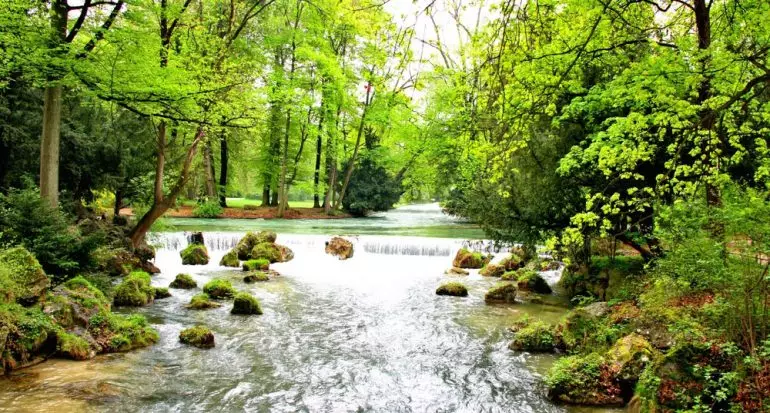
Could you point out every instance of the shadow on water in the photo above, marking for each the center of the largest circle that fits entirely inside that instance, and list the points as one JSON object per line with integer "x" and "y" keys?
{"x": 366, "y": 334}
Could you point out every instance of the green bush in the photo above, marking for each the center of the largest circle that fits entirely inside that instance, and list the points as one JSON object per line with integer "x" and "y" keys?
{"x": 371, "y": 188}
{"x": 208, "y": 209}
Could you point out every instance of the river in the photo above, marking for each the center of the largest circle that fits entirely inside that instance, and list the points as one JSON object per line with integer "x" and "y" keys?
{"x": 366, "y": 334}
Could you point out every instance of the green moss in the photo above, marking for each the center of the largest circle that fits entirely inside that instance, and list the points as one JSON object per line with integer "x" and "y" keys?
{"x": 161, "y": 293}
{"x": 73, "y": 346}
{"x": 202, "y": 301}
{"x": 510, "y": 276}
{"x": 537, "y": 337}
{"x": 198, "y": 336}
{"x": 452, "y": 288}
{"x": 195, "y": 254}
{"x": 22, "y": 277}
{"x": 467, "y": 259}
{"x": 30, "y": 332}
{"x": 245, "y": 246}
{"x": 256, "y": 276}
{"x": 135, "y": 290}
{"x": 260, "y": 264}
{"x": 183, "y": 281}
{"x": 501, "y": 293}
{"x": 219, "y": 289}
{"x": 245, "y": 303}
{"x": 267, "y": 251}
{"x": 532, "y": 281}
{"x": 578, "y": 380}
{"x": 117, "y": 333}
{"x": 581, "y": 331}
{"x": 230, "y": 259}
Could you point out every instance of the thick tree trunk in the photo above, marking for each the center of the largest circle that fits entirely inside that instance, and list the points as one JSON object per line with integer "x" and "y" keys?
{"x": 118, "y": 202}
{"x": 49, "y": 145}
{"x": 265, "y": 195}
{"x": 332, "y": 178}
{"x": 223, "y": 159}
{"x": 274, "y": 198}
{"x": 283, "y": 199}
{"x": 208, "y": 166}
{"x": 351, "y": 165}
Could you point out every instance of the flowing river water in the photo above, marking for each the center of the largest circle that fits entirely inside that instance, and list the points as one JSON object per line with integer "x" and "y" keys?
{"x": 366, "y": 334}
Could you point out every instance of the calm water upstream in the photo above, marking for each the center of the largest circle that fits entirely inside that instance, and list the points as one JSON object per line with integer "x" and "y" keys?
{"x": 366, "y": 334}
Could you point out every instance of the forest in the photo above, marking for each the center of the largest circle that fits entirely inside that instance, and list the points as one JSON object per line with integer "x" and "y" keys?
{"x": 627, "y": 140}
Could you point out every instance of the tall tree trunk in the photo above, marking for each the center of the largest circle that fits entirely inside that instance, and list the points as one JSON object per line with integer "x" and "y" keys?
{"x": 352, "y": 161}
{"x": 708, "y": 117}
{"x": 118, "y": 202}
{"x": 318, "y": 149}
{"x": 208, "y": 166}
{"x": 332, "y": 178}
{"x": 49, "y": 145}
{"x": 283, "y": 199}
{"x": 223, "y": 159}
{"x": 265, "y": 195}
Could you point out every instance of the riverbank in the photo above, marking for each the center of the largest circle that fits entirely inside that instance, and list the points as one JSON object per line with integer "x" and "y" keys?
{"x": 186, "y": 211}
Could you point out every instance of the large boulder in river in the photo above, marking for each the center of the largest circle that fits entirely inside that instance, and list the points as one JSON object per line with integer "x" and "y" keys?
{"x": 245, "y": 246}
{"x": 339, "y": 247}
{"x": 535, "y": 337}
{"x": 230, "y": 260}
{"x": 245, "y": 303}
{"x": 501, "y": 293}
{"x": 452, "y": 288}
{"x": 492, "y": 270}
{"x": 183, "y": 281}
{"x": 195, "y": 254}
{"x": 21, "y": 277}
{"x": 135, "y": 290}
{"x": 469, "y": 259}
{"x": 198, "y": 336}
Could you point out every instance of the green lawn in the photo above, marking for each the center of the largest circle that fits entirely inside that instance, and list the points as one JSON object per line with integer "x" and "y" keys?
{"x": 240, "y": 202}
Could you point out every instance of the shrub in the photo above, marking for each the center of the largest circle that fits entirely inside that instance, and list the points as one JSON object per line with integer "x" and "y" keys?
{"x": 218, "y": 289}
{"x": 208, "y": 209}
{"x": 371, "y": 188}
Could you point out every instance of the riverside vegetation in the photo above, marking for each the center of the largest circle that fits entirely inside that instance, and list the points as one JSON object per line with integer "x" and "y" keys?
{"x": 627, "y": 139}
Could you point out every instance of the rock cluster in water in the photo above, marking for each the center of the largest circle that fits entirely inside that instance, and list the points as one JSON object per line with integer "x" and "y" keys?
{"x": 340, "y": 248}
{"x": 195, "y": 253}
{"x": 261, "y": 246}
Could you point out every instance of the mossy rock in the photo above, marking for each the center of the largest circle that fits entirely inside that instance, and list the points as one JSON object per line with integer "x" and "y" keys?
{"x": 582, "y": 379}
{"x": 535, "y": 337}
{"x": 250, "y": 240}
{"x": 256, "y": 276}
{"x": 219, "y": 289}
{"x": 22, "y": 279}
{"x": 532, "y": 281}
{"x": 73, "y": 346}
{"x": 454, "y": 289}
{"x": 183, "y": 281}
{"x": 629, "y": 356}
{"x": 501, "y": 293}
{"x": 245, "y": 303}
{"x": 511, "y": 263}
{"x": 202, "y": 301}
{"x": 286, "y": 253}
{"x": 195, "y": 254}
{"x": 588, "y": 328}
{"x": 74, "y": 303}
{"x": 27, "y": 333}
{"x": 161, "y": 293}
{"x": 230, "y": 260}
{"x": 118, "y": 333}
{"x": 117, "y": 262}
{"x": 467, "y": 259}
{"x": 198, "y": 336}
{"x": 340, "y": 248}
{"x": 456, "y": 271}
{"x": 135, "y": 290}
{"x": 266, "y": 251}
{"x": 510, "y": 276}
{"x": 492, "y": 270}
{"x": 549, "y": 265}
{"x": 253, "y": 265}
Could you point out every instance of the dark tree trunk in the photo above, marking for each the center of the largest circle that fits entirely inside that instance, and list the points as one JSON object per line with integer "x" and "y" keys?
{"x": 223, "y": 159}
{"x": 266, "y": 195}
{"x": 318, "y": 150}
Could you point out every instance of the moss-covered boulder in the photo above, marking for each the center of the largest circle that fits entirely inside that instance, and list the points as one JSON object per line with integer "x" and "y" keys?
{"x": 74, "y": 346}
{"x": 21, "y": 277}
{"x": 230, "y": 260}
{"x": 26, "y": 334}
{"x": 73, "y": 303}
{"x": 501, "y": 293}
{"x": 534, "y": 282}
{"x": 266, "y": 251}
{"x": 511, "y": 263}
{"x": 245, "y": 303}
{"x": 195, "y": 254}
{"x": 198, "y": 336}
{"x": 454, "y": 289}
{"x": 219, "y": 289}
{"x": 584, "y": 380}
{"x": 117, "y": 262}
{"x": 535, "y": 337}
{"x": 250, "y": 240}
{"x": 253, "y": 265}
{"x": 492, "y": 270}
{"x": 468, "y": 259}
{"x": 202, "y": 301}
{"x": 456, "y": 271}
{"x": 117, "y": 333}
{"x": 510, "y": 276}
{"x": 184, "y": 282}
{"x": 161, "y": 293}
{"x": 135, "y": 290}
{"x": 339, "y": 247}
{"x": 549, "y": 265}
{"x": 587, "y": 328}
{"x": 629, "y": 357}
{"x": 256, "y": 276}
